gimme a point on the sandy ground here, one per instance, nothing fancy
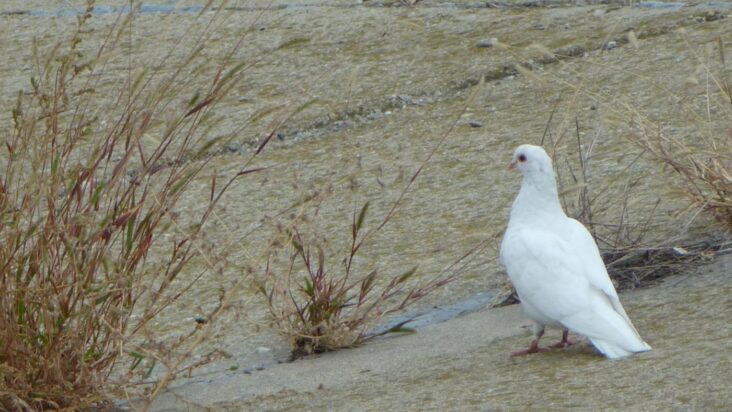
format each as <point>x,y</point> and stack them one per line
<point>463,364</point>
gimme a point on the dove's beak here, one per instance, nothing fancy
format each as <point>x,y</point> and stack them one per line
<point>511,166</point>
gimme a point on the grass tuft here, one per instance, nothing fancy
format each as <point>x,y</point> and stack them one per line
<point>319,308</point>
<point>85,199</point>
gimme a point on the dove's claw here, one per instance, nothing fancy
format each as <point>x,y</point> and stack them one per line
<point>564,343</point>
<point>533,348</point>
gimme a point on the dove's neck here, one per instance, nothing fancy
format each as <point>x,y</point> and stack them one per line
<point>538,199</point>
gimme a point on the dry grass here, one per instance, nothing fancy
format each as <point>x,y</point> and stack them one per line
<point>84,199</point>
<point>321,308</point>
<point>703,166</point>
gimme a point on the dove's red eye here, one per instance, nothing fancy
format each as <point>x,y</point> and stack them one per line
<point>522,158</point>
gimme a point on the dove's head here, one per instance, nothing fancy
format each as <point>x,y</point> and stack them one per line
<point>538,195</point>
<point>531,160</point>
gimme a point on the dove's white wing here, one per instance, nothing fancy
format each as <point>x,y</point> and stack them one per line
<point>594,267</point>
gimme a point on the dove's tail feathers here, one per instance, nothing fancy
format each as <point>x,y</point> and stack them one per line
<point>622,340</point>
<point>611,332</point>
<point>621,344</point>
<point>613,351</point>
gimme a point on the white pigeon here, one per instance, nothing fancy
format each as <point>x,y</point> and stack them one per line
<point>556,268</point>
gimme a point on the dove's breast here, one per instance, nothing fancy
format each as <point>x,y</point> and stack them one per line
<point>548,280</point>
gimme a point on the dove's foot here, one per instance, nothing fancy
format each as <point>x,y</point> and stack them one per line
<point>565,342</point>
<point>533,348</point>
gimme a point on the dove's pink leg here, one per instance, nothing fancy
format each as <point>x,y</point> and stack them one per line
<point>565,342</point>
<point>533,348</point>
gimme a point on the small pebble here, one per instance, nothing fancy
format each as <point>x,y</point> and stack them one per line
<point>713,15</point>
<point>487,43</point>
<point>262,349</point>
<point>609,45</point>
<point>231,147</point>
<point>475,123</point>
<point>572,50</point>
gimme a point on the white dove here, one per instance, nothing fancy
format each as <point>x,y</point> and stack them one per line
<point>557,270</point>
